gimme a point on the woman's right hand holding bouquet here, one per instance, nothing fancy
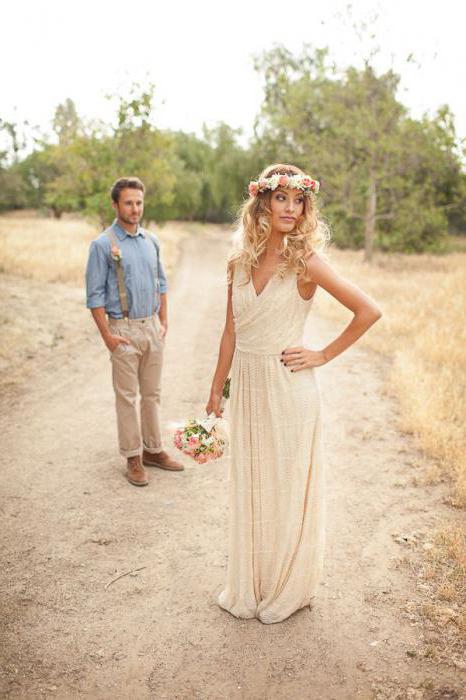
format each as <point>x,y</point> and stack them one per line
<point>214,403</point>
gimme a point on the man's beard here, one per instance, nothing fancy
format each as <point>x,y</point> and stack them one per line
<point>126,220</point>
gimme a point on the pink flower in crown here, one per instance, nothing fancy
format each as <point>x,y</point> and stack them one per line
<point>307,182</point>
<point>283,181</point>
<point>253,188</point>
<point>193,440</point>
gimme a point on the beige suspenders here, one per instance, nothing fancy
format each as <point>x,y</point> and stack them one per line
<point>121,276</point>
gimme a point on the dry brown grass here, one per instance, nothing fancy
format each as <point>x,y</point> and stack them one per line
<point>441,587</point>
<point>35,317</point>
<point>423,298</point>
<point>51,250</point>
<point>423,329</point>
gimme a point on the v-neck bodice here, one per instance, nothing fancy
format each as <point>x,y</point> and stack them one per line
<point>267,323</point>
<point>251,282</point>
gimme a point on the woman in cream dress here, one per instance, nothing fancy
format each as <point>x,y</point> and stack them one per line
<point>277,472</point>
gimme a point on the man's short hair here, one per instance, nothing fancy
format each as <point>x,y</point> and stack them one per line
<point>124,182</point>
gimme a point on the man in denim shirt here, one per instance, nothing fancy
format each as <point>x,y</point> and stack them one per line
<point>127,295</point>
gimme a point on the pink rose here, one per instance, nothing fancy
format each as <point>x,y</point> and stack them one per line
<point>193,440</point>
<point>253,188</point>
<point>283,181</point>
<point>307,182</point>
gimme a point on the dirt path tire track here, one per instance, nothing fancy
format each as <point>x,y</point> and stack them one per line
<point>71,523</point>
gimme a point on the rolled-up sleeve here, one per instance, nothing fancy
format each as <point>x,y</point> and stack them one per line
<point>163,284</point>
<point>162,276</point>
<point>96,276</point>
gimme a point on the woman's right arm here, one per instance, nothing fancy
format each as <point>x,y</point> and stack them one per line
<point>225,357</point>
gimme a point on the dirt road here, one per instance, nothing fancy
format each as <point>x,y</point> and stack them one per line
<point>72,524</point>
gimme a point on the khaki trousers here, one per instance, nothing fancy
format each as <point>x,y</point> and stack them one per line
<point>138,366</point>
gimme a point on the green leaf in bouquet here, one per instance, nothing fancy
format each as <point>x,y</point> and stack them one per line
<point>226,389</point>
<point>194,428</point>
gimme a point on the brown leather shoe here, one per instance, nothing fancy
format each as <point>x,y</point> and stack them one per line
<point>135,472</point>
<point>162,460</point>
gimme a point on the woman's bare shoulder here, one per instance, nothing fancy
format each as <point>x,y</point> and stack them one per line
<point>317,264</point>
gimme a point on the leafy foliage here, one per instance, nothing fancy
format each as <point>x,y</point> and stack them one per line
<point>388,181</point>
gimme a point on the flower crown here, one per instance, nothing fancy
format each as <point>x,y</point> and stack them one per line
<point>299,182</point>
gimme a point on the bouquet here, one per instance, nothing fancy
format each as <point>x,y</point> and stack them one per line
<point>204,440</point>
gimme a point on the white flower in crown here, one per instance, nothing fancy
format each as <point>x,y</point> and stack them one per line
<point>274,181</point>
<point>296,182</point>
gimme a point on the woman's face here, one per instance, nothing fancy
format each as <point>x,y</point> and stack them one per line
<point>287,206</point>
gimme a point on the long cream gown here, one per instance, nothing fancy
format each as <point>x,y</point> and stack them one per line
<point>277,480</point>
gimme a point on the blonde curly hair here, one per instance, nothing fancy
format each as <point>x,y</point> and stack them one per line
<point>311,233</point>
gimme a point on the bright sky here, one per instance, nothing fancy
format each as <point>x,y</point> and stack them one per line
<point>199,53</point>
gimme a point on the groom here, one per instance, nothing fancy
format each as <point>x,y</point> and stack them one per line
<point>127,295</point>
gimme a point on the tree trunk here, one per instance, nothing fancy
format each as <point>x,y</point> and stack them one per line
<point>369,233</point>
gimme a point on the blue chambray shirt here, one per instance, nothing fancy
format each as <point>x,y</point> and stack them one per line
<point>145,277</point>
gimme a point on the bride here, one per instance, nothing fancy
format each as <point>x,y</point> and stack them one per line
<point>277,469</point>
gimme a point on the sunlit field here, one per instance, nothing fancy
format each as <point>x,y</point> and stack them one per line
<point>423,330</point>
<point>36,317</point>
<point>55,250</point>
<point>422,333</point>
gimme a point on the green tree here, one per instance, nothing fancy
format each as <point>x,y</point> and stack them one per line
<point>67,124</point>
<point>225,173</point>
<point>212,174</point>
<point>374,162</point>
<point>89,157</point>
<point>145,151</point>
<point>84,168</point>
<point>191,184</point>
<point>37,170</point>
<point>12,187</point>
